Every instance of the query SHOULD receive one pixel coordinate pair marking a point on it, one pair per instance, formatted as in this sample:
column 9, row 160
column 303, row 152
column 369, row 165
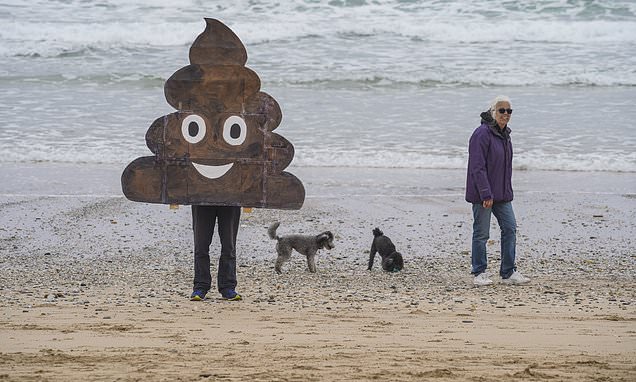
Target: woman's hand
column 487, row 203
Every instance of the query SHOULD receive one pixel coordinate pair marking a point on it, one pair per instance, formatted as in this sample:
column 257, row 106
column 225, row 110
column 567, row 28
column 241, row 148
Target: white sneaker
column 482, row 280
column 516, row 279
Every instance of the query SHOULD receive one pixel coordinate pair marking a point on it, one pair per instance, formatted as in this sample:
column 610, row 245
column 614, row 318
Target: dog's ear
column 324, row 238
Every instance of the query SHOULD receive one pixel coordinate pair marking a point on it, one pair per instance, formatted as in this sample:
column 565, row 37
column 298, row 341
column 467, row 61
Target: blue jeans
column 481, row 232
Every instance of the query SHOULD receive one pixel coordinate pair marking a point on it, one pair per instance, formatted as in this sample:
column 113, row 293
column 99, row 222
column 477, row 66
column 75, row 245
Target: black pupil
column 193, row 129
column 235, row 131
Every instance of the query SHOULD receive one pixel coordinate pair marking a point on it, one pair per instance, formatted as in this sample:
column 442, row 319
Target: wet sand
column 94, row 287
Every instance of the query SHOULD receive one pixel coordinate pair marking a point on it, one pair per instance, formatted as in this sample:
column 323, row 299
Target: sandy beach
column 95, row 287
column 379, row 100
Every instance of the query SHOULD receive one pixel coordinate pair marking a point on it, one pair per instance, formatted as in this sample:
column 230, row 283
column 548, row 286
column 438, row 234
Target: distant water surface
column 361, row 83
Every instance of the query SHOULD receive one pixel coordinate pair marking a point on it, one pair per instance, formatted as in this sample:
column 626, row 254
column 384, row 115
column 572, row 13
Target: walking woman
column 489, row 189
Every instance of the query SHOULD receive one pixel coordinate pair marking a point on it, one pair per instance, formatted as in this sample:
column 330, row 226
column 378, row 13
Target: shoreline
column 96, row 287
column 104, row 179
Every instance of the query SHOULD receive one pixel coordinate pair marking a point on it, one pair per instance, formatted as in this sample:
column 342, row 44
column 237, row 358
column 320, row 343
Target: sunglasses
column 503, row 111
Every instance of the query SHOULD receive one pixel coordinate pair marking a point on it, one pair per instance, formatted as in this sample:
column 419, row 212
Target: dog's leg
column 284, row 253
column 372, row 255
column 393, row 262
column 279, row 264
column 387, row 263
column 311, row 262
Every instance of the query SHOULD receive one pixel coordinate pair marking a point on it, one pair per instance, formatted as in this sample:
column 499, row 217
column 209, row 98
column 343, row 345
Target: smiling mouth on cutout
column 212, row 172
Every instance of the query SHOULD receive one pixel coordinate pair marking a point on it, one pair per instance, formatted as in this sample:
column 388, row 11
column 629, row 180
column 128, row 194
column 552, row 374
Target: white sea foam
column 559, row 162
column 49, row 39
column 47, row 28
column 379, row 43
column 306, row 157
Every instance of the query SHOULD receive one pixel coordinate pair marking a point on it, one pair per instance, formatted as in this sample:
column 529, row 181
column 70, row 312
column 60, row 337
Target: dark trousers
column 203, row 220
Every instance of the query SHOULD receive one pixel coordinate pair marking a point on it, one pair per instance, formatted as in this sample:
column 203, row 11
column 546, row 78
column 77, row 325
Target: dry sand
column 94, row 287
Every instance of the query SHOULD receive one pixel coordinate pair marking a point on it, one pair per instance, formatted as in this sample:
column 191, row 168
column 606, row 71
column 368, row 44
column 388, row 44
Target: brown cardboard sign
column 219, row 147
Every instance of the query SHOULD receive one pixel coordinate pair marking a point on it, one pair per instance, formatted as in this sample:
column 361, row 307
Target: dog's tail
column 377, row 232
column 271, row 231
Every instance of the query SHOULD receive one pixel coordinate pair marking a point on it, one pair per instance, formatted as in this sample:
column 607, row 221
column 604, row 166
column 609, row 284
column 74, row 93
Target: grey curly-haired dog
column 392, row 260
column 307, row 245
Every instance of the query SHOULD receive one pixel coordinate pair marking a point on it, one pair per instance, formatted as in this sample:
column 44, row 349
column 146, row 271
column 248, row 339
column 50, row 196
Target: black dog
column 392, row 261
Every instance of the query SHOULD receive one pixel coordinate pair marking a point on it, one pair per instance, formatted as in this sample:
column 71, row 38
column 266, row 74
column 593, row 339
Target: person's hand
column 487, row 203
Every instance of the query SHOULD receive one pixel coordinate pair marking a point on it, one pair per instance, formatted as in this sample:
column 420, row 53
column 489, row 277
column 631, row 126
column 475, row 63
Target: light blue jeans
column 481, row 232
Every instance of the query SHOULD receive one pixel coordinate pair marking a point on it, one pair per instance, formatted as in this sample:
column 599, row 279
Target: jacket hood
column 487, row 118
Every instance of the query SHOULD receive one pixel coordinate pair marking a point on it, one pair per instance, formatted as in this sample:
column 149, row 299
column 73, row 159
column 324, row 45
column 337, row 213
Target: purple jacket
column 489, row 163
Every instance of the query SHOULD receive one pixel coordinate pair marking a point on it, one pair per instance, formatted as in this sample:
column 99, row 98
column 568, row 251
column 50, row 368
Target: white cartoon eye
column 193, row 128
column 234, row 130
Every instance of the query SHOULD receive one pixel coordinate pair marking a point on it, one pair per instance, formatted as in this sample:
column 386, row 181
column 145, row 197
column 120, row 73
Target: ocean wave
column 352, row 82
column 133, row 79
column 122, row 154
column 322, row 78
column 562, row 162
column 463, row 81
column 328, row 44
column 54, row 39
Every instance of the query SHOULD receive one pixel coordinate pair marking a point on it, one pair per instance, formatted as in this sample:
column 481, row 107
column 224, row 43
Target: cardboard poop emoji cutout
column 218, row 148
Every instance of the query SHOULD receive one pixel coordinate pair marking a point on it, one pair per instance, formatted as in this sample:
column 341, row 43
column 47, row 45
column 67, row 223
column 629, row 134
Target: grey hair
column 495, row 101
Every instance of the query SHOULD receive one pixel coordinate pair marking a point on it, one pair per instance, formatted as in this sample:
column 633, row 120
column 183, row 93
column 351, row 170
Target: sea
column 361, row 83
